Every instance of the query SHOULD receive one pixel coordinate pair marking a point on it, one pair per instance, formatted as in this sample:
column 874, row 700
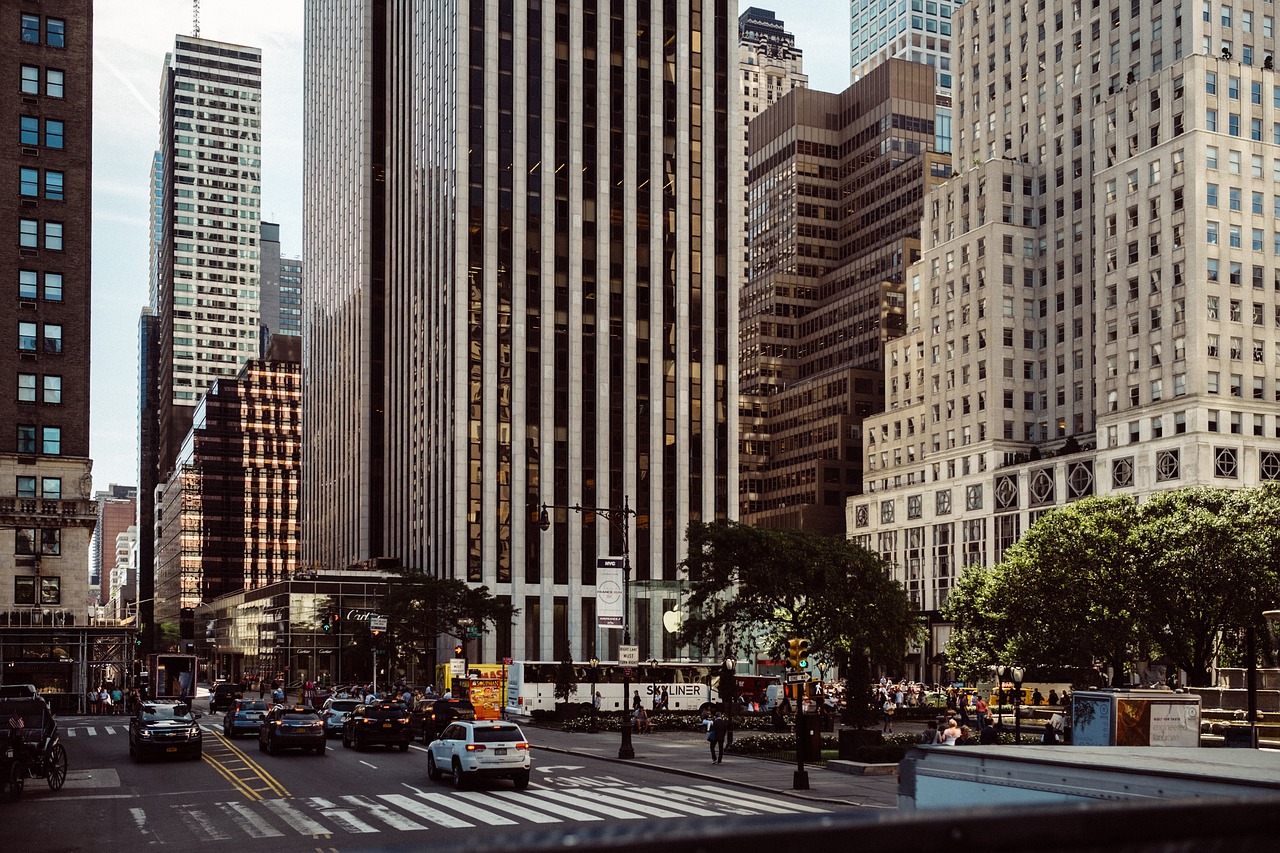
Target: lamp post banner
column 609, row 592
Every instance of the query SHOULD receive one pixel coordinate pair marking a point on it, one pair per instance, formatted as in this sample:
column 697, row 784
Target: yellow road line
column 226, row 774
column 255, row 771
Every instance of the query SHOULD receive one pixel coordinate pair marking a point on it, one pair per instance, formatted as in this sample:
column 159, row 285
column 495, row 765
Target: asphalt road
column 346, row 800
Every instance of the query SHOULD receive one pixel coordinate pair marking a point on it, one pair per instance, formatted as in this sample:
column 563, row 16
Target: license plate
column 386, row 725
column 500, row 751
column 170, row 749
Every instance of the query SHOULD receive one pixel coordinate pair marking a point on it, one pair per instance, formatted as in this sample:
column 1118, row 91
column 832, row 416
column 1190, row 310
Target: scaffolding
column 64, row 662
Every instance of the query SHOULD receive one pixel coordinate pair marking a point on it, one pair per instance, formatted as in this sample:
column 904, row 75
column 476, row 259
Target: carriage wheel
column 56, row 767
column 17, row 780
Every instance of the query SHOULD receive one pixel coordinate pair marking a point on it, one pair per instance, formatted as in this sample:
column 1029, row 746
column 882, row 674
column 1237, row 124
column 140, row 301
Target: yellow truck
column 485, row 685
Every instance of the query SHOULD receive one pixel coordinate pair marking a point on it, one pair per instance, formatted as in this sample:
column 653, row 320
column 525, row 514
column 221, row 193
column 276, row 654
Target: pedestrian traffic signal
column 457, row 651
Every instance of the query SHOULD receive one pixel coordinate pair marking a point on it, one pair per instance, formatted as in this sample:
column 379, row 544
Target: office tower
column 46, row 507
column 117, row 509
column 227, row 517
column 769, row 60
column 527, row 295
column 920, row 32
column 148, row 471
column 836, row 190
column 122, row 579
column 206, row 188
column 1095, row 310
column 281, row 291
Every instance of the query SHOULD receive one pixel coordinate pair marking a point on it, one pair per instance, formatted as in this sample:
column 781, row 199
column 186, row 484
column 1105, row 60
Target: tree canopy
column 754, row 587
column 422, row 607
column 1107, row 580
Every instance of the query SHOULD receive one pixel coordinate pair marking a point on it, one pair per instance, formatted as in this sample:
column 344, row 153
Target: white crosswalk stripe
column 370, row 814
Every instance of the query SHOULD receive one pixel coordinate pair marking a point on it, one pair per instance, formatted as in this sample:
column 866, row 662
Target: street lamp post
column 620, row 518
column 595, row 707
column 1016, row 673
column 730, row 695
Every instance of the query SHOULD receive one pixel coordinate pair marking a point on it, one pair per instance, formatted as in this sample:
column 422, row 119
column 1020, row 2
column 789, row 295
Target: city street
column 346, row 799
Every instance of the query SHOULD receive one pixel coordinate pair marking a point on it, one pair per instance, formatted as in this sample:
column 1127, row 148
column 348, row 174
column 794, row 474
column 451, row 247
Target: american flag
column 16, row 722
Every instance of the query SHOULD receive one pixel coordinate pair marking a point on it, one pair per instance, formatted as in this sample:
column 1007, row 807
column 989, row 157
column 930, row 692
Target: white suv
column 471, row 749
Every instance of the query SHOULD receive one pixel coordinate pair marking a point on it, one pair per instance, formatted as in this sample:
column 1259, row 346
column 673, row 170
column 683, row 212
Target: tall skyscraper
column 836, row 188
column 919, row 32
column 522, row 241
column 281, row 291
column 1097, row 307
column 770, row 63
column 206, row 183
column 46, row 507
column 117, row 511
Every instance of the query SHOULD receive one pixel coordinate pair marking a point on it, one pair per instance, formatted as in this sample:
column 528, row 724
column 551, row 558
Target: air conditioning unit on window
column 28, row 306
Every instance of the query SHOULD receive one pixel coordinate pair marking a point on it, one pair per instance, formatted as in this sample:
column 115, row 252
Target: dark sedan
column 244, row 717
column 292, row 727
column 377, row 722
column 432, row 715
column 165, row 728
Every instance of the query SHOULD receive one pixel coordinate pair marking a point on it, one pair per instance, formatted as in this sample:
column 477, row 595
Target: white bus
column 531, row 686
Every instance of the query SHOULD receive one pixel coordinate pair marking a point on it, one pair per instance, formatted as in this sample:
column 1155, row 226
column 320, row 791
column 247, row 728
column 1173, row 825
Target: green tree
column 750, row 582
column 422, row 607
column 566, row 681
column 1064, row 594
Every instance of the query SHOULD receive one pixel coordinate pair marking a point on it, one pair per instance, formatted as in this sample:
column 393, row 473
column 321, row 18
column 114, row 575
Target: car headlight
column 193, row 733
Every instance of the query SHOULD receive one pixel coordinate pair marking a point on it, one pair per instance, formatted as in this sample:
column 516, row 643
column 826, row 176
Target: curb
column 693, row 774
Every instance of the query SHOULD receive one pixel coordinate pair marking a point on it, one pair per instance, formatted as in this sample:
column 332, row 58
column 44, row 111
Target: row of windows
column 54, row 81
column 29, row 285
column 55, row 31
column 29, row 336
column 50, row 488
column 30, row 185
column 50, row 587
column 33, row 388
column 29, row 131
column 29, row 234
column 48, row 439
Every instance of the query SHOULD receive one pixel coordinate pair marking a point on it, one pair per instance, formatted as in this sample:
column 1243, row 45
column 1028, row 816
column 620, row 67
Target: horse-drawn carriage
column 29, row 745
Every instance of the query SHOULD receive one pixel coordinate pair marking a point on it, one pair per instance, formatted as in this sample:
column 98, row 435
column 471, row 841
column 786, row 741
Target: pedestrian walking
column 889, row 707
column 635, row 700
column 91, row 701
column 719, row 730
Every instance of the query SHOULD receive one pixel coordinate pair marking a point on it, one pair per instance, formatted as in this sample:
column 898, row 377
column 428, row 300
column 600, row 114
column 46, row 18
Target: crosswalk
column 415, row 810
column 98, row 729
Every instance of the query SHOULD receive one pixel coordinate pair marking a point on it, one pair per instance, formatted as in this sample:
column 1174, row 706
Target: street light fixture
column 620, row 518
column 595, row 707
column 1016, row 673
column 727, row 696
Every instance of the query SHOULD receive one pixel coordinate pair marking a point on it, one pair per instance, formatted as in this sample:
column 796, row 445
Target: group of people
column 109, row 699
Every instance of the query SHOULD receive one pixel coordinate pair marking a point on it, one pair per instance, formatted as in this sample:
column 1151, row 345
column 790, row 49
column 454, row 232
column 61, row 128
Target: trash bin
column 809, row 737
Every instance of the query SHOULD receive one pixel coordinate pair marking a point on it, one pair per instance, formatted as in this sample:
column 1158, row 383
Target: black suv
column 223, row 696
column 431, row 716
column 292, row 727
column 165, row 728
column 377, row 722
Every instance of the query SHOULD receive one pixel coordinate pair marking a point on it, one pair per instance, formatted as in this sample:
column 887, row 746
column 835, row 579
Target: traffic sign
column 797, row 677
column 457, row 666
column 377, row 623
column 628, row 655
column 474, row 633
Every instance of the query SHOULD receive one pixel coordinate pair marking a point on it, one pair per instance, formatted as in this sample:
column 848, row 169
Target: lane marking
column 559, row 808
column 296, row 819
column 392, row 818
column 249, row 820
column 650, row 809
column 516, row 807
column 367, row 764
column 472, row 808
column 344, row 818
column 425, row 811
column 199, row 822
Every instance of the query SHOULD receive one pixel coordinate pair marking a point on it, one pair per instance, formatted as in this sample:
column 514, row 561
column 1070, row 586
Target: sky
column 131, row 38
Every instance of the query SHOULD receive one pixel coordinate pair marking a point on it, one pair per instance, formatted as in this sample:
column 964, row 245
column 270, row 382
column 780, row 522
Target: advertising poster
column 609, row 592
column 1091, row 720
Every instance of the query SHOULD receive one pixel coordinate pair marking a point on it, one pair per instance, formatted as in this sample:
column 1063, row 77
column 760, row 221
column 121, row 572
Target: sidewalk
column 688, row 754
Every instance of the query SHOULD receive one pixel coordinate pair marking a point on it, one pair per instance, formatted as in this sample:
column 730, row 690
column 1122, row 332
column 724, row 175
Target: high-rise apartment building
column 1097, row 308
column 227, row 517
column 522, row 245
column 836, row 190
column 206, row 188
column 915, row 30
column 46, row 507
column 769, row 61
column 281, row 290
column 117, row 511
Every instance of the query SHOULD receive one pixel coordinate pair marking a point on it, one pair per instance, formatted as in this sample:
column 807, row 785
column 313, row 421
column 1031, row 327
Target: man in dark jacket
column 719, row 729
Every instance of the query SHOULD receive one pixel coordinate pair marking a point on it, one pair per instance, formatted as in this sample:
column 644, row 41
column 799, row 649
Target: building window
column 50, row 587
column 29, row 182
column 1080, row 479
column 53, row 337
column 1167, row 466
column 886, row 512
column 1006, row 492
column 26, row 387
column 1225, row 463
column 1042, row 487
column 52, row 286
column 53, row 236
column 861, row 517
column 915, row 506
column 30, row 29
column 24, row 588
column 26, row 487
column 942, row 502
column 51, row 488
column 30, row 80
column 27, row 337
column 26, row 438
column 53, row 133
column 53, row 389
column 29, row 130
column 1269, row 465
column 1122, row 472
column 53, row 183
column 973, row 497
column 51, row 441
column 55, row 32
column 53, row 82
column 28, row 233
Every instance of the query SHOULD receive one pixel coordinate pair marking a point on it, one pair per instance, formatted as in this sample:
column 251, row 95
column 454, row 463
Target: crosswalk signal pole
column 798, row 654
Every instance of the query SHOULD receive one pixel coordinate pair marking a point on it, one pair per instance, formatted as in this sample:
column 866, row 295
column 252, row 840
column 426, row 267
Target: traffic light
column 457, row 651
column 798, row 653
column 803, row 654
column 326, row 624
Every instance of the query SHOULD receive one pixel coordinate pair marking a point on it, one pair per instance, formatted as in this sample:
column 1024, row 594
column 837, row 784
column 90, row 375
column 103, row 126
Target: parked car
column 476, row 749
column 334, row 712
column 291, row 727
column 430, row 717
column 244, row 717
column 223, row 694
column 165, row 728
column 377, row 722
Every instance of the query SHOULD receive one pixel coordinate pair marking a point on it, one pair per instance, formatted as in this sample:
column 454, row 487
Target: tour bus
column 531, row 686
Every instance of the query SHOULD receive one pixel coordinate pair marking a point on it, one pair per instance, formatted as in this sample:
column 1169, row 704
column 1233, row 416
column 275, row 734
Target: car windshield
column 158, row 713
column 498, row 735
column 388, row 710
column 254, row 705
column 300, row 715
